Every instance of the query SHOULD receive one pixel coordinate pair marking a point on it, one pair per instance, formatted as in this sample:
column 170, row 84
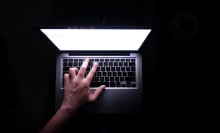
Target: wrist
column 69, row 110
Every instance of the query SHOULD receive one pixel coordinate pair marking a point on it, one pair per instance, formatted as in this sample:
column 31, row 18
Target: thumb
column 95, row 95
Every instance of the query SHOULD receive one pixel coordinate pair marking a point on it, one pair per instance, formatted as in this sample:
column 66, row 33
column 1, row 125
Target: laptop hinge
column 91, row 53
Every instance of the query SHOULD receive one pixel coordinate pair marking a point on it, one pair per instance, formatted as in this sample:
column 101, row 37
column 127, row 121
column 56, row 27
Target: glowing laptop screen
column 97, row 39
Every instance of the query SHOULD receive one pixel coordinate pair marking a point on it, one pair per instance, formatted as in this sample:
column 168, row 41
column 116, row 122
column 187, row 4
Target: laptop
column 120, row 65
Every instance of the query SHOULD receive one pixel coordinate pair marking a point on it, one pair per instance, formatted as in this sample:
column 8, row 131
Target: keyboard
column 111, row 72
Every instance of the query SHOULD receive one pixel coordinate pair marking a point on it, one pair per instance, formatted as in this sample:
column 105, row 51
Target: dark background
column 173, row 62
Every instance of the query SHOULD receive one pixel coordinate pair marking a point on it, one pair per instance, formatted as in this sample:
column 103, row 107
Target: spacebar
column 97, row 84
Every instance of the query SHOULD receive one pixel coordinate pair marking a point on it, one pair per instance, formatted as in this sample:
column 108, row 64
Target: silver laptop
column 120, row 65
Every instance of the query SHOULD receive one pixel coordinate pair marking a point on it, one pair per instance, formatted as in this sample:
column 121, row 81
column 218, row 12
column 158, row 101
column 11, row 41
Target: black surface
column 172, row 63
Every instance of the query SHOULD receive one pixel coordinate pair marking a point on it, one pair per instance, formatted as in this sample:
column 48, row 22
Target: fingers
column 95, row 95
column 66, row 79
column 73, row 72
column 92, row 72
column 83, row 68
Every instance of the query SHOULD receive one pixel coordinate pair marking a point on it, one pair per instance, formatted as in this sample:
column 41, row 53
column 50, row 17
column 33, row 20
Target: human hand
column 77, row 87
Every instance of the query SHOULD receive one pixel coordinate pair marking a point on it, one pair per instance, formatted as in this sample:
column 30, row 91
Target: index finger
column 83, row 68
column 92, row 72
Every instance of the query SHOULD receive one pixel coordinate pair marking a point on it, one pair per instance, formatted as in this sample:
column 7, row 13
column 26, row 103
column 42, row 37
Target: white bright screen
column 97, row 39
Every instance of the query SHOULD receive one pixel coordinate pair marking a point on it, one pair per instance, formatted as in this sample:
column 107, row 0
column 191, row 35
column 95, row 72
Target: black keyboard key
column 66, row 69
column 123, row 85
column 102, row 79
column 112, row 68
column 131, row 63
column 132, row 68
column 112, row 79
column 65, row 63
column 128, row 85
column 70, row 64
column 102, row 69
column 114, row 74
column 118, row 84
column 112, row 84
column 133, row 85
column 122, row 79
column 109, row 74
column 130, row 79
column 106, row 79
column 99, row 74
column 75, row 64
column 119, row 74
column 106, row 84
column 105, row 63
column 101, row 64
column 124, row 74
column 132, row 74
column 110, row 63
column 97, row 84
column 80, row 63
column 104, row 74
column 107, row 69
column 96, row 79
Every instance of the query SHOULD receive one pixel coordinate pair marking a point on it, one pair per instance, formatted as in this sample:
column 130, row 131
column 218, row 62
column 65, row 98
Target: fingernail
column 96, row 63
column 86, row 59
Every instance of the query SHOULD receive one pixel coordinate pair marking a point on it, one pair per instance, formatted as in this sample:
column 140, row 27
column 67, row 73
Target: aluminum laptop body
column 118, row 45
